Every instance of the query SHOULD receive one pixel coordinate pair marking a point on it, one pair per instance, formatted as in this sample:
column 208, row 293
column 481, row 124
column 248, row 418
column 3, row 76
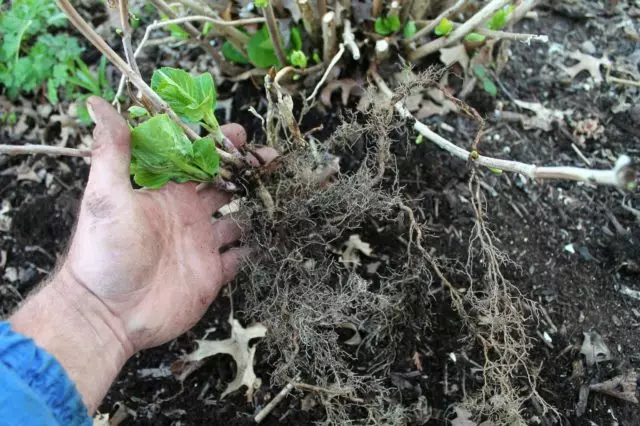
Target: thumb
column 111, row 151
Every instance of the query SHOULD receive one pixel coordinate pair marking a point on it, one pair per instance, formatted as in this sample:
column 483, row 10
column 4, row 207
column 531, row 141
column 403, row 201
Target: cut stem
column 329, row 37
column 621, row 175
column 350, row 41
column 43, row 149
column 309, row 20
column 274, row 33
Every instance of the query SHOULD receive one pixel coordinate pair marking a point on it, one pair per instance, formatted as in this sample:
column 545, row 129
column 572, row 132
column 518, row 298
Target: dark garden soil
column 576, row 247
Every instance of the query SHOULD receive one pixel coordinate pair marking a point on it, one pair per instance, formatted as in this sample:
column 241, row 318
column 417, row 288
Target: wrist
column 77, row 328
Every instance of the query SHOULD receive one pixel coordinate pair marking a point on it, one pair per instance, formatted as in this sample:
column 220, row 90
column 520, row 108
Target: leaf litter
column 237, row 345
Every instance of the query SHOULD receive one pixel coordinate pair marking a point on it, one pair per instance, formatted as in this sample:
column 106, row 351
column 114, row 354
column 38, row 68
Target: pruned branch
column 621, row 175
column 329, row 36
column 43, row 149
column 274, row 33
column 126, row 35
column 473, row 22
column 502, row 35
column 433, row 24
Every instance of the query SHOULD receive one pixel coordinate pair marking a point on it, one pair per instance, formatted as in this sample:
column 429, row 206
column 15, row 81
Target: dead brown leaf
column 347, row 86
column 587, row 63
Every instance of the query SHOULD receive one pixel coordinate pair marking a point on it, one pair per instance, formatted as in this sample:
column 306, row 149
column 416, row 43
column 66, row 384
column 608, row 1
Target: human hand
column 143, row 265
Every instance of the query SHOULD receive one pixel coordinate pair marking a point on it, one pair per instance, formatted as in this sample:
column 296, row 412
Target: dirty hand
column 142, row 268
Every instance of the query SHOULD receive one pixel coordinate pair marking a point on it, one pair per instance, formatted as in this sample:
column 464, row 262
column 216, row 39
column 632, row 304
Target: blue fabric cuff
column 35, row 388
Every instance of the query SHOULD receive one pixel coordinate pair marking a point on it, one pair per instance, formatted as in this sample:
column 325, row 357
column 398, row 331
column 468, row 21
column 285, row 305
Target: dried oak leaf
column 347, row 86
column 238, row 347
column 586, row 63
column 456, row 54
column 544, row 116
column 624, row 387
column 594, row 349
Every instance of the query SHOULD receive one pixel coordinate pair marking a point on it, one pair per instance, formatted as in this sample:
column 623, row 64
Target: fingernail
column 92, row 113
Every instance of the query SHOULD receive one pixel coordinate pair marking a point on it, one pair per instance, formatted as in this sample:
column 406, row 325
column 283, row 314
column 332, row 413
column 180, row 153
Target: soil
column 574, row 246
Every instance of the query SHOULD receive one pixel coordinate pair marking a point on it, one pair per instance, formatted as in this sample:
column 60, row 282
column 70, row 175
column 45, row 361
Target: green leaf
column 136, row 111
column 147, row 179
column 175, row 29
column 480, row 71
column 489, row 87
column 499, row 19
column 444, row 28
column 295, row 38
column 232, row 54
column 260, row 56
column 475, row 38
column 419, row 139
column 205, row 155
column 410, row 29
column 495, row 170
column 192, row 98
column 261, row 4
column 206, row 28
column 298, row 59
column 381, row 27
column 388, row 25
column 394, row 24
column 162, row 152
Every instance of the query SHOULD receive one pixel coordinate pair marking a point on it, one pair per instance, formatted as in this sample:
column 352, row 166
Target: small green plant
column 261, row 52
column 160, row 149
column 261, row 4
column 488, row 85
column 297, row 58
column 475, row 38
column 410, row 29
column 30, row 56
column 96, row 85
column 444, row 28
column 500, row 18
column 387, row 25
column 33, row 59
column 176, row 30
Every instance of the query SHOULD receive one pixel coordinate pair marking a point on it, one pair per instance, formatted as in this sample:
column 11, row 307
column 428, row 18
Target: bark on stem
column 621, row 176
column 322, row 7
column 274, row 33
column 394, row 9
column 43, row 149
column 126, row 35
column 503, row 35
column 376, row 8
column 237, row 37
column 190, row 29
column 309, row 20
column 350, row 41
column 433, row 24
column 329, row 38
column 419, row 8
column 476, row 20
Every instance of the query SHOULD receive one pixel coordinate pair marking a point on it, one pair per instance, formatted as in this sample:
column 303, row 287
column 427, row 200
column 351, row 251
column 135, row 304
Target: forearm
column 73, row 325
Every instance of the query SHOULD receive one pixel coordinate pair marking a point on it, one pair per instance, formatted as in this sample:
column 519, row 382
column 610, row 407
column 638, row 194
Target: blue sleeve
column 35, row 389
